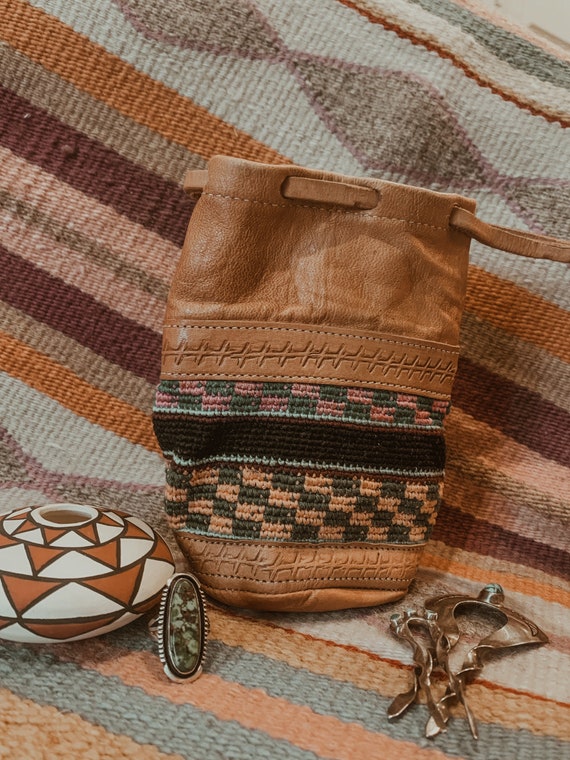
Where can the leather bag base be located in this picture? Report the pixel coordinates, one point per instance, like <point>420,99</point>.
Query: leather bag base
<point>312,578</point>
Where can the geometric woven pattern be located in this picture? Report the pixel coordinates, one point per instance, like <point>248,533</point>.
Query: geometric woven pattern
<point>103,107</point>
<point>277,503</point>
<point>60,582</point>
<point>299,400</point>
<point>299,462</point>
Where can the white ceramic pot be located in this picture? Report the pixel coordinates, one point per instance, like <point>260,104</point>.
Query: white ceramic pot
<point>71,571</point>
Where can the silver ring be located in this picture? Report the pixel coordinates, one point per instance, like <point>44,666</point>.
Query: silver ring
<point>181,627</point>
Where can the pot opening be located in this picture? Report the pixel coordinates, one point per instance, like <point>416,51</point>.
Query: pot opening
<point>64,514</point>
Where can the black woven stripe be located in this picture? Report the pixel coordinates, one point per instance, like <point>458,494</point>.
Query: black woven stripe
<point>300,440</point>
<point>292,472</point>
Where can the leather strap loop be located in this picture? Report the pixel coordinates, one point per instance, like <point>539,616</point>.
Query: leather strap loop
<point>361,197</point>
<point>194,182</point>
<point>333,193</point>
<point>510,240</point>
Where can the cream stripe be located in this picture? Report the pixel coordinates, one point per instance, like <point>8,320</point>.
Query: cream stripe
<point>533,670</point>
<point>557,630</point>
<point>128,241</point>
<point>497,19</point>
<point>80,272</point>
<point>549,603</point>
<point>27,726</point>
<point>427,26</point>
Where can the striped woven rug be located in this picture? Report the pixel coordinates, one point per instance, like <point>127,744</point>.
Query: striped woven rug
<point>103,106</point>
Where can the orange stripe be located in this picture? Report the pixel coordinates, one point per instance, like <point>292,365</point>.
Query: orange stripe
<point>492,703</point>
<point>439,561</point>
<point>32,730</point>
<point>515,310</point>
<point>254,709</point>
<point>59,383</point>
<point>477,442</point>
<point>108,78</point>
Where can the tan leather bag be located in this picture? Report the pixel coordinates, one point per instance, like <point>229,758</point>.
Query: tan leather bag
<point>310,345</point>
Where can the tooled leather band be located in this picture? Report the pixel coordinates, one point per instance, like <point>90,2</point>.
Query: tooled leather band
<point>287,576</point>
<point>306,354</point>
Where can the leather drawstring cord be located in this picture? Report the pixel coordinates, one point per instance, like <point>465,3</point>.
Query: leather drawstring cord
<point>510,240</point>
<point>361,197</point>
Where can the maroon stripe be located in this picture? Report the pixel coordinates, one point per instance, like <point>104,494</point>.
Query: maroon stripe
<point>462,530</point>
<point>92,168</point>
<point>518,412</point>
<point>79,316</point>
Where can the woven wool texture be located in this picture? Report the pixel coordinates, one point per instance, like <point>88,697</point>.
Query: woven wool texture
<point>103,106</point>
<point>354,464</point>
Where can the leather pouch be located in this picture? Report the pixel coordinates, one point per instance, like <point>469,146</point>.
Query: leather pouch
<point>310,345</point>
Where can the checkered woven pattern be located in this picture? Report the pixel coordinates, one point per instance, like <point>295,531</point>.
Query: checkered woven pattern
<point>299,462</point>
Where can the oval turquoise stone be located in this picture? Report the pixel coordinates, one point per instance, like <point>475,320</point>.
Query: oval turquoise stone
<point>185,627</point>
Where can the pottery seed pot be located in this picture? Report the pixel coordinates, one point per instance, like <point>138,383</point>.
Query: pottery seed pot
<point>71,571</point>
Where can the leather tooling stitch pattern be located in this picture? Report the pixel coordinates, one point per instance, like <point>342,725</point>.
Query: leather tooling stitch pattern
<point>310,356</point>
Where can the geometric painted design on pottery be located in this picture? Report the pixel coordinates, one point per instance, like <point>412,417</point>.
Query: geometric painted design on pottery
<point>70,571</point>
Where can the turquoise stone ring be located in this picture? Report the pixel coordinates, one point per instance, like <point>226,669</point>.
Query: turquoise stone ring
<point>181,627</point>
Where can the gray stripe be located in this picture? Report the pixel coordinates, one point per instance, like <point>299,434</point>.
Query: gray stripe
<point>349,703</point>
<point>61,233</point>
<point>97,120</point>
<point>68,444</point>
<point>287,414</point>
<point>516,51</point>
<point>176,728</point>
<point>538,502</point>
<point>85,363</point>
<point>523,363</point>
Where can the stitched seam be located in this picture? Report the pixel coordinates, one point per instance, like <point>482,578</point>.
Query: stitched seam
<point>257,592</point>
<point>316,380</point>
<point>279,544</point>
<point>326,209</point>
<point>303,580</point>
<point>453,352</point>
<point>273,461</point>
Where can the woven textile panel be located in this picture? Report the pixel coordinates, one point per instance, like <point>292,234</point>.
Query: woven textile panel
<point>103,106</point>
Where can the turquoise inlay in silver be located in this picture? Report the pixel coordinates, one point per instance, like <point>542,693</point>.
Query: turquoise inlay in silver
<point>182,627</point>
